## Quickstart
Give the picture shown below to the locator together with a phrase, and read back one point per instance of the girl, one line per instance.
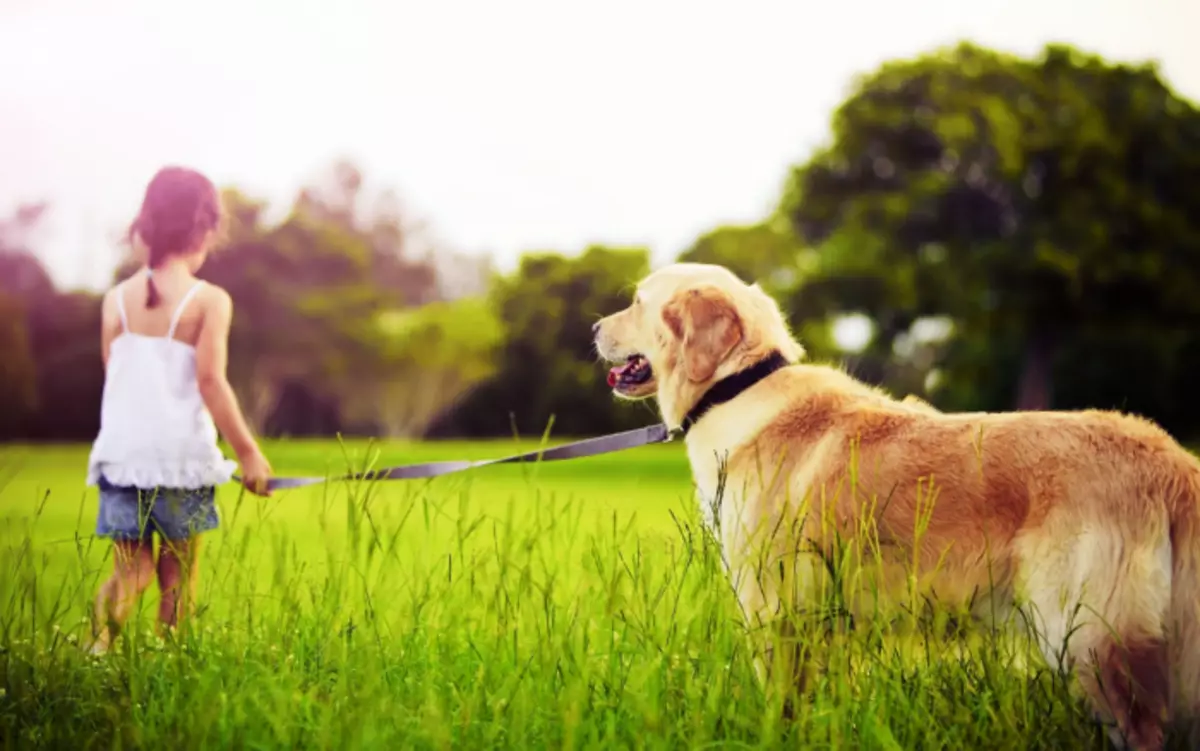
(164, 341)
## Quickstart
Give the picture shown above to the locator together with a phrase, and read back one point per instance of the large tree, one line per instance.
(51, 381)
(766, 253)
(1028, 200)
(548, 368)
(18, 370)
(430, 357)
(23, 283)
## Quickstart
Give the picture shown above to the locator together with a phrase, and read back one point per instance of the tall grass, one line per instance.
(450, 616)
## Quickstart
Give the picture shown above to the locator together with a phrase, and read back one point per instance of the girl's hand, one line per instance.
(256, 472)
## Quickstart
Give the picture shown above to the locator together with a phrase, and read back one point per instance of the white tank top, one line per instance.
(155, 431)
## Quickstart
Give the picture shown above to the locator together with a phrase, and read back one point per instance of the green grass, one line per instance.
(561, 605)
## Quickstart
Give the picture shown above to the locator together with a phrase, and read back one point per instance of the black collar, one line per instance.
(732, 386)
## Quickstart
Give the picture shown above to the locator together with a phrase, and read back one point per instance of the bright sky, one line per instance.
(515, 125)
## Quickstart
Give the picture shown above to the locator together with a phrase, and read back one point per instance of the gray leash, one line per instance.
(606, 444)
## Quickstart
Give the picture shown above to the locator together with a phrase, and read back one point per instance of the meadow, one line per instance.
(568, 605)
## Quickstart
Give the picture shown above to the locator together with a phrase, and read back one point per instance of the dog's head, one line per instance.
(689, 326)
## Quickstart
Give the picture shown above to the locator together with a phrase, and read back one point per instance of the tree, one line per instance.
(1025, 199)
(548, 367)
(22, 275)
(64, 336)
(432, 356)
(338, 199)
(50, 388)
(766, 253)
(23, 281)
(18, 370)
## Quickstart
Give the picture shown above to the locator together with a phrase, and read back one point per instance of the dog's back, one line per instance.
(1090, 520)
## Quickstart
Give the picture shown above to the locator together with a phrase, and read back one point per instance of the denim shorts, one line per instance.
(128, 513)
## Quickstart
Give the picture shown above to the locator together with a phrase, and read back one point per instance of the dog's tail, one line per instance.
(1184, 619)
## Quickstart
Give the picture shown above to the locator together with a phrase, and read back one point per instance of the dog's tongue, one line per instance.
(614, 374)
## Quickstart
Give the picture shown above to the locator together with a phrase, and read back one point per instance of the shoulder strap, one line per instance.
(187, 297)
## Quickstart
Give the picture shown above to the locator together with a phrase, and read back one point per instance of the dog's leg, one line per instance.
(1130, 678)
(1098, 598)
(790, 660)
(776, 601)
(782, 655)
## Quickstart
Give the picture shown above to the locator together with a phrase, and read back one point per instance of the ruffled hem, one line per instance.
(187, 474)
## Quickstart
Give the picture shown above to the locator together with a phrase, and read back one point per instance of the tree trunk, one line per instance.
(1036, 385)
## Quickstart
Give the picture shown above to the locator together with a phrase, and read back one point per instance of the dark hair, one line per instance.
(180, 206)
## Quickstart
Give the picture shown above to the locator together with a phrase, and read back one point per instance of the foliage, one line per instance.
(1016, 230)
(304, 303)
(1022, 198)
(430, 357)
(548, 368)
(22, 275)
(51, 380)
(18, 370)
(64, 335)
(763, 253)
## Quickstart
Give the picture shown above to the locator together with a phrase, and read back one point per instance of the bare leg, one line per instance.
(133, 570)
(177, 575)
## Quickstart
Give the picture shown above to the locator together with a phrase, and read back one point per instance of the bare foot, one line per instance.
(98, 647)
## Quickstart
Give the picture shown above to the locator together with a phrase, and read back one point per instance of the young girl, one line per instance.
(164, 340)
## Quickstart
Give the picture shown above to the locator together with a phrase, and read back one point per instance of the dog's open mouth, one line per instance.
(635, 372)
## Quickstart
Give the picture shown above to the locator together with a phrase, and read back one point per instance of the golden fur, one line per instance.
(1088, 521)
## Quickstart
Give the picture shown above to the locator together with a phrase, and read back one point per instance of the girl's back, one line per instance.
(155, 430)
(156, 321)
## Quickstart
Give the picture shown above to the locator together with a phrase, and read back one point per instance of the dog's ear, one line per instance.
(705, 321)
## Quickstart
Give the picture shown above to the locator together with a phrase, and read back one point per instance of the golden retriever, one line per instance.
(1086, 521)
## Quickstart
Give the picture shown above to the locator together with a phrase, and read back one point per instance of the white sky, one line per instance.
(510, 126)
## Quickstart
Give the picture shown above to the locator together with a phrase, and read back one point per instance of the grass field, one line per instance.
(561, 605)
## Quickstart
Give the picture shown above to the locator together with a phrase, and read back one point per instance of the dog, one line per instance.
(1088, 521)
